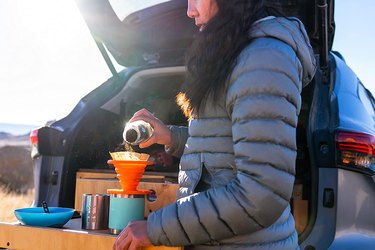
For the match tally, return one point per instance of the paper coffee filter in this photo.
(129, 156)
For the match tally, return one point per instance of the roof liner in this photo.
(161, 33)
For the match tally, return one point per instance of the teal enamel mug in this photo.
(124, 208)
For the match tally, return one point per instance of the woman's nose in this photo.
(192, 10)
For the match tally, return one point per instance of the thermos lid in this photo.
(131, 135)
(127, 192)
(128, 196)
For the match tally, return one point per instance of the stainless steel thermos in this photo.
(137, 132)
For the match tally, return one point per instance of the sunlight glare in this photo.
(49, 58)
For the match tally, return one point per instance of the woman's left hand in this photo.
(133, 236)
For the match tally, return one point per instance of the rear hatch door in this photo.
(158, 33)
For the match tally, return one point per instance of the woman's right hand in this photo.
(161, 135)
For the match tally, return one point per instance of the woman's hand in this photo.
(161, 135)
(133, 236)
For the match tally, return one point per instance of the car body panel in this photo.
(320, 232)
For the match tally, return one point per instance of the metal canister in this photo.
(123, 209)
(95, 211)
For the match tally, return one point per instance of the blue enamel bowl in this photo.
(35, 216)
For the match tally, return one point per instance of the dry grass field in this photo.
(16, 176)
(10, 201)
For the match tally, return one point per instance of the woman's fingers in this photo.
(122, 241)
(133, 236)
(142, 114)
(161, 134)
(124, 244)
(148, 143)
(133, 245)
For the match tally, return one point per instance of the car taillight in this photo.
(34, 143)
(356, 150)
(34, 137)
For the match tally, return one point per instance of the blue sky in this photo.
(355, 37)
(49, 60)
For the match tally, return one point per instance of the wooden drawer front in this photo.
(18, 237)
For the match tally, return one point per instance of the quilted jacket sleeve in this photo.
(179, 137)
(263, 101)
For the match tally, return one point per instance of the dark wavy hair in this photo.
(214, 51)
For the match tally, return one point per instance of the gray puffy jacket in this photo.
(238, 159)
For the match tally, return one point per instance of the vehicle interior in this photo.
(153, 89)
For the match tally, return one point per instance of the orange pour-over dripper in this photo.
(129, 174)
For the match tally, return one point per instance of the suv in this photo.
(334, 195)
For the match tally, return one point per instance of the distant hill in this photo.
(4, 135)
(15, 161)
(15, 129)
(7, 139)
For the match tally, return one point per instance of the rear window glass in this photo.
(123, 8)
(366, 100)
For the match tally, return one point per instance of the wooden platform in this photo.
(20, 237)
(17, 236)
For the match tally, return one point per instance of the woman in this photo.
(246, 70)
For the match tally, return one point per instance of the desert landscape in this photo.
(16, 175)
